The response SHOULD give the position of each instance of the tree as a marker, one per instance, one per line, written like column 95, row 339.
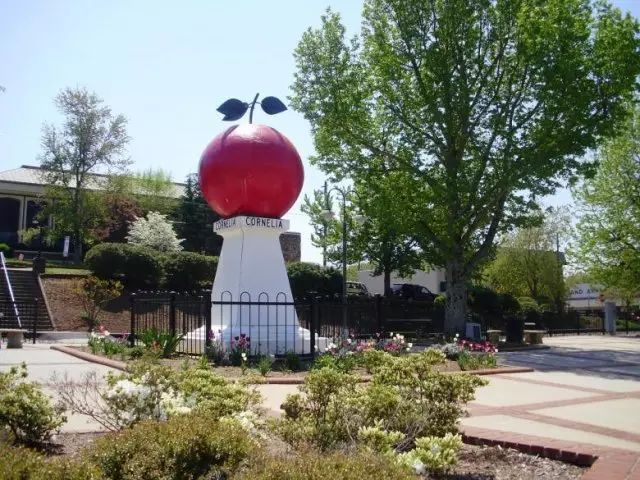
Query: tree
column 155, row 232
column 196, row 219
column 529, row 263
column 119, row 212
column 326, row 232
column 90, row 140
column 608, row 241
column 479, row 107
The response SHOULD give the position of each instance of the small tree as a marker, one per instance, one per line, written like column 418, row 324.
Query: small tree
column 95, row 294
column 90, row 140
column 195, row 220
column 155, row 232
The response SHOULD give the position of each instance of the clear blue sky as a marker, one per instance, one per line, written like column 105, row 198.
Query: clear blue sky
column 166, row 66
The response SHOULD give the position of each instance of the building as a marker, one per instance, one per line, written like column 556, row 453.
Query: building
column 22, row 192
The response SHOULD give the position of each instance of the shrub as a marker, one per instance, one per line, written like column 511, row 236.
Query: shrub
column 188, row 270
column 375, row 359
column 292, row 361
column 106, row 260
column 25, row 410
column 165, row 343
column 18, row 463
column 433, row 454
column 470, row 361
column 306, row 278
column 509, row 304
column 94, row 295
column 439, row 302
column 336, row 466
column 405, row 396
column 135, row 265
column 154, row 232
column 192, row 446
column 6, row 249
column 265, row 364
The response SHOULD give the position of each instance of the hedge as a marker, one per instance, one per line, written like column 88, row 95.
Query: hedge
column 188, row 270
column 134, row 265
column 306, row 278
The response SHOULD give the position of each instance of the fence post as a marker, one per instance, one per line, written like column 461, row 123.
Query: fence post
column 172, row 314
column 313, row 321
column 578, row 319
column 207, row 319
column 379, row 313
column 35, row 321
column 132, row 324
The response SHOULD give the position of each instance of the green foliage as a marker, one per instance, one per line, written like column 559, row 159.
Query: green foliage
column 405, row 396
column 476, row 361
column 94, row 295
column 109, row 347
column 528, row 304
column 191, row 446
column 6, row 249
column 25, row 410
column 134, row 265
column 433, row 454
column 609, row 204
column 89, row 140
column 292, row 361
column 335, row 466
column 18, row 463
column 376, row 440
column 195, row 219
column 306, row 278
column 188, row 271
column 265, row 363
column 165, row 342
column 467, row 109
column 439, row 302
column 374, row 359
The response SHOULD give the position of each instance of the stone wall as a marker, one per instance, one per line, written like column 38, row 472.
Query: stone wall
column 290, row 243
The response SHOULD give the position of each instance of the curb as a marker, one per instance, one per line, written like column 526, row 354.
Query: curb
column 566, row 456
column 108, row 362
column 525, row 349
column 90, row 357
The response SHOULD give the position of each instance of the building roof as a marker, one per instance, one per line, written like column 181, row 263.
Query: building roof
column 32, row 175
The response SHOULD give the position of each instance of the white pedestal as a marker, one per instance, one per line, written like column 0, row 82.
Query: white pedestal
column 251, row 293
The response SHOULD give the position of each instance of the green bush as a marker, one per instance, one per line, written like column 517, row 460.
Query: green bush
column 165, row 343
column 136, row 266
column 25, row 410
column 106, row 260
column 335, row 466
column 6, row 249
column 185, row 447
column 406, row 396
column 188, row 270
column 439, row 302
column 306, row 278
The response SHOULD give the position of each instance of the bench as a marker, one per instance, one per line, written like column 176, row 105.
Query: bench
column 15, row 336
column 533, row 337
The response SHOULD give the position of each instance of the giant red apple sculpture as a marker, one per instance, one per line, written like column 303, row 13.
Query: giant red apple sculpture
column 251, row 170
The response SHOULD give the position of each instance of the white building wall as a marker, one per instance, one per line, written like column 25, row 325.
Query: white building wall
column 431, row 280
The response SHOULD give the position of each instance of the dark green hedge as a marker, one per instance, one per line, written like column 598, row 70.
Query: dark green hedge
column 306, row 278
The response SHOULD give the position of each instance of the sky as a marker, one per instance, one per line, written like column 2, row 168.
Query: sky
column 166, row 66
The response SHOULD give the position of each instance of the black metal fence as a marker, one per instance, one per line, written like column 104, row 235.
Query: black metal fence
column 274, row 324
column 20, row 315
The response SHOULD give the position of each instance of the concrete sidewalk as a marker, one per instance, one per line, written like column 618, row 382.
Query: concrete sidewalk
column 43, row 363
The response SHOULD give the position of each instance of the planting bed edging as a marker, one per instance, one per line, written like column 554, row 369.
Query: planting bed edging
column 90, row 357
column 604, row 463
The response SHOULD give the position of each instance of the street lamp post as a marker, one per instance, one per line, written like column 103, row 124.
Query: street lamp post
column 329, row 215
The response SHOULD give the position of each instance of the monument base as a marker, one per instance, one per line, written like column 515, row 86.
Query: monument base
column 251, row 295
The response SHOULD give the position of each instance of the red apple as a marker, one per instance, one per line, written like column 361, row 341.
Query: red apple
column 251, row 170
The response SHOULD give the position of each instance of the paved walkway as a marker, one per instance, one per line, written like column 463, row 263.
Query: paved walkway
column 43, row 363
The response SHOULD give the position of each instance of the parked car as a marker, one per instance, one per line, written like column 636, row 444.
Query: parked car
column 410, row 291
column 357, row 289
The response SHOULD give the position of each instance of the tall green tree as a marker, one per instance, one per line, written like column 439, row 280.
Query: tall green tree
column 608, row 241
column 480, row 107
column 90, row 140
column 529, row 262
column 195, row 220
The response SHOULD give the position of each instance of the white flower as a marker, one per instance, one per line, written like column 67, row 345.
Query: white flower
column 348, row 341
column 409, row 346
column 435, row 449
column 244, row 356
column 418, row 467
column 391, row 334
column 496, row 350
column 155, row 232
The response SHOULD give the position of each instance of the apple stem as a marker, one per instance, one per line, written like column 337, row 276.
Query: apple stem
column 253, row 105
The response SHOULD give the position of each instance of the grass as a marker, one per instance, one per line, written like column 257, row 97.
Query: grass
column 68, row 271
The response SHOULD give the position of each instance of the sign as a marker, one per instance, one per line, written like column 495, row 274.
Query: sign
column 251, row 222
column 65, row 250
column 584, row 291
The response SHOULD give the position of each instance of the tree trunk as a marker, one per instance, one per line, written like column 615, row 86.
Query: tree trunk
column 77, row 248
column 456, row 301
column 387, row 282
